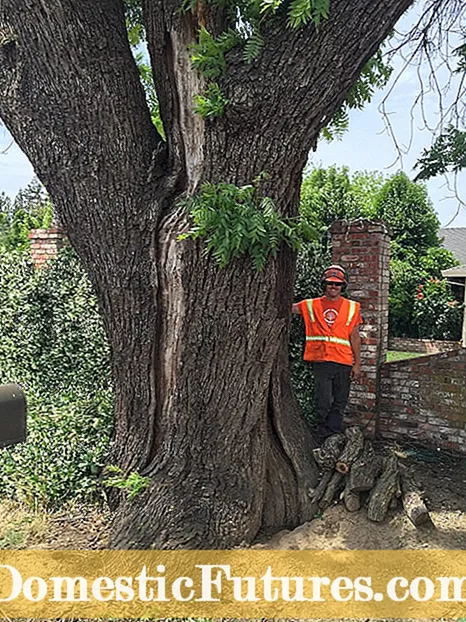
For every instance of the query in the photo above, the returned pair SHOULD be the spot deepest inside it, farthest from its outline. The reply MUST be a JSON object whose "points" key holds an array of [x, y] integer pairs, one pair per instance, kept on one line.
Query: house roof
{"points": [[454, 239], [456, 271]]}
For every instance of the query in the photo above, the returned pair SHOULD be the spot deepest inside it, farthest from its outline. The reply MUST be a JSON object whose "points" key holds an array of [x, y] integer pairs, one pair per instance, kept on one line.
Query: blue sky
{"points": [[365, 146]]}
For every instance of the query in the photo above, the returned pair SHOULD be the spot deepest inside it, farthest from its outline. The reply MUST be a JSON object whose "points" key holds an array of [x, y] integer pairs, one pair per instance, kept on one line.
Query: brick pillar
{"points": [[363, 248], [45, 244]]}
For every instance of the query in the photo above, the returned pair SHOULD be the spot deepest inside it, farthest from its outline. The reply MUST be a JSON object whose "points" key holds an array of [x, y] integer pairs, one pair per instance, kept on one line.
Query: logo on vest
{"points": [[330, 315]]}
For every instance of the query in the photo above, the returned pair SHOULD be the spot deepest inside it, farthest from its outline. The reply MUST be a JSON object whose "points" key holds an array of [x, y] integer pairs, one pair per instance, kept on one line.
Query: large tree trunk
{"points": [[203, 399]]}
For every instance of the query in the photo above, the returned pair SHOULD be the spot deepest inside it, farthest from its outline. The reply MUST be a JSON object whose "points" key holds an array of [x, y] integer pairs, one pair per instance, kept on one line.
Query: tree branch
{"points": [[316, 69], [93, 137]]}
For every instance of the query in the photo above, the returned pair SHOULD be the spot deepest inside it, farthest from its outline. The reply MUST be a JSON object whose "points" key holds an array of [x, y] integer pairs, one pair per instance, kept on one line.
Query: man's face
{"points": [[332, 290]]}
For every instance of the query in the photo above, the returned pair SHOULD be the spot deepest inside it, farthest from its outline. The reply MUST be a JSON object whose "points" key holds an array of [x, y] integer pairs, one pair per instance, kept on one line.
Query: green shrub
{"points": [[63, 454], [436, 312], [53, 344]]}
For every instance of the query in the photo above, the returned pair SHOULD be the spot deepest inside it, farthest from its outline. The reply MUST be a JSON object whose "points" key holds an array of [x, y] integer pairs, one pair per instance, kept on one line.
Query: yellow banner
{"points": [[235, 584]]}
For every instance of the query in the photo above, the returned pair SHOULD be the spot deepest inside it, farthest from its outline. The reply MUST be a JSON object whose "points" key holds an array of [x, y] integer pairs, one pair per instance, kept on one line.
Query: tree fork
{"points": [[199, 354]]}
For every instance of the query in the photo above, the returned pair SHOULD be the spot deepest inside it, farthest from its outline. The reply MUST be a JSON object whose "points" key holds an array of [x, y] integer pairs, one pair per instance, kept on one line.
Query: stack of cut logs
{"points": [[353, 472]]}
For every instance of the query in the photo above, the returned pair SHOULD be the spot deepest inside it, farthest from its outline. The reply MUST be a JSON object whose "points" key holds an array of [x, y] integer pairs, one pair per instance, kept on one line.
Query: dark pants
{"points": [[332, 385]]}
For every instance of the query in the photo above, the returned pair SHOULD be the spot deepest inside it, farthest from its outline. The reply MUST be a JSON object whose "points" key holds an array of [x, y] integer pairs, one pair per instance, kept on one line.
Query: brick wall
{"points": [[423, 400], [362, 247], [427, 346], [45, 244]]}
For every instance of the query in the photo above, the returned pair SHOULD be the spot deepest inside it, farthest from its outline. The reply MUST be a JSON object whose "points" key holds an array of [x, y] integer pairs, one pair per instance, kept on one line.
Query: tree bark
{"points": [[351, 451], [203, 403], [383, 491], [352, 500], [327, 455], [335, 484], [413, 504], [364, 470]]}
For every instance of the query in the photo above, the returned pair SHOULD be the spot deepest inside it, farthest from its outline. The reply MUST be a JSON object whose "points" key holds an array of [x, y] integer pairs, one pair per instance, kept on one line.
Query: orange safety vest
{"points": [[324, 343]]}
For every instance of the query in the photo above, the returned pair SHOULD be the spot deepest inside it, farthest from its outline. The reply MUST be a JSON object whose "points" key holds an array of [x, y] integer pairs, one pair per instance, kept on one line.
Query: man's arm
{"points": [[296, 309], [355, 340]]}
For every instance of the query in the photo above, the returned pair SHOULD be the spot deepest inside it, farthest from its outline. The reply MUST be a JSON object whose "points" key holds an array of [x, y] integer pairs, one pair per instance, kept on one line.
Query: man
{"points": [[333, 346]]}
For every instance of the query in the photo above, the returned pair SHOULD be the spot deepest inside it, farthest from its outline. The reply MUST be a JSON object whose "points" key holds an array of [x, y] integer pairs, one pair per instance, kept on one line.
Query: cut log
{"points": [[353, 447], [316, 494], [327, 455], [351, 499], [413, 504], [365, 470], [333, 487], [383, 491]]}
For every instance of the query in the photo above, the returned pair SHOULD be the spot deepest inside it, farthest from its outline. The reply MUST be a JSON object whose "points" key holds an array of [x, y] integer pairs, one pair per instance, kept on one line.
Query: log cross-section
{"points": [[352, 449]]}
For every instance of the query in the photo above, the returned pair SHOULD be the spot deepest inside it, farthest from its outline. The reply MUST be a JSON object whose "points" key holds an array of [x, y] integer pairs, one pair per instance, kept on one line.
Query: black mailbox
{"points": [[12, 415]]}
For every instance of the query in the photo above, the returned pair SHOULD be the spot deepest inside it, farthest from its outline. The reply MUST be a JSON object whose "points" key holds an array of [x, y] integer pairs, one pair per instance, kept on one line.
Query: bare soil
{"points": [[442, 478]]}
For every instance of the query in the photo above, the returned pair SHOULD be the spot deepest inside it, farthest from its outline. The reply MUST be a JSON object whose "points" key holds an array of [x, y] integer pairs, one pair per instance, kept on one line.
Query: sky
{"points": [[367, 145]]}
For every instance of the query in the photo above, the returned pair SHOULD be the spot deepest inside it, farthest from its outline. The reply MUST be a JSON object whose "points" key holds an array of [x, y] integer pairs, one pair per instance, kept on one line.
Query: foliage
{"points": [[405, 206], [208, 54], [436, 312], [63, 454], [312, 259], [234, 221], [31, 209], [448, 153], [302, 12], [53, 345], [52, 335], [331, 194], [211, 103], [133, 484], [374, 75]]}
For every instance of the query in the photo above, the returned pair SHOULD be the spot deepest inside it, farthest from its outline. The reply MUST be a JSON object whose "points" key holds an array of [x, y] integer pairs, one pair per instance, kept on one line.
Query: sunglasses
{"points": [[332, 284]]}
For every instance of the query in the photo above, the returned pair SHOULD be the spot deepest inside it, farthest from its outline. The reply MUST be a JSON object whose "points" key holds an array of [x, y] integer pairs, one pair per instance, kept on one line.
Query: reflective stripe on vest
{"points": [[343, 342], [351, 312], [310, 308]]}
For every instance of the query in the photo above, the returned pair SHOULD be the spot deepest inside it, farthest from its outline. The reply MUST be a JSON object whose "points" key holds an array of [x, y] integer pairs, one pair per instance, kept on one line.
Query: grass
{"points": [[393, 355], [18, 525]]}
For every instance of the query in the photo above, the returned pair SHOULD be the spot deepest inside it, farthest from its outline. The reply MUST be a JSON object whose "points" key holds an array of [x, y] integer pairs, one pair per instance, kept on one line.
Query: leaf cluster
{"points": [[447, 153], [211, 103], [436, 312], [65, 450], [53, 345], [132, 484], [233, 221], [374, 75], [208, 53]]}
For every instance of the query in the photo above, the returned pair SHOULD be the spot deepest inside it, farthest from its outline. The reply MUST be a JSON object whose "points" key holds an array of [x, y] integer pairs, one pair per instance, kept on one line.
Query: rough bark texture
{"points": [[352, 450], [413, 504], [384, 490], [335, 484], [326, 456], [203, 400], [352, 500], [364, 470]]}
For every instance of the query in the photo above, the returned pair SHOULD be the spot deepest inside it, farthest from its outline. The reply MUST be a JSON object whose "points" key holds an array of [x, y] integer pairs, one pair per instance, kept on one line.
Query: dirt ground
{"points": [[441, 476]]}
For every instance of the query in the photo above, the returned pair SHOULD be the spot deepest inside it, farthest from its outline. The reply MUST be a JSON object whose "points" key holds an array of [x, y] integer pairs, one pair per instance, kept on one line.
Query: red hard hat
{"points": [[335, 274]]}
